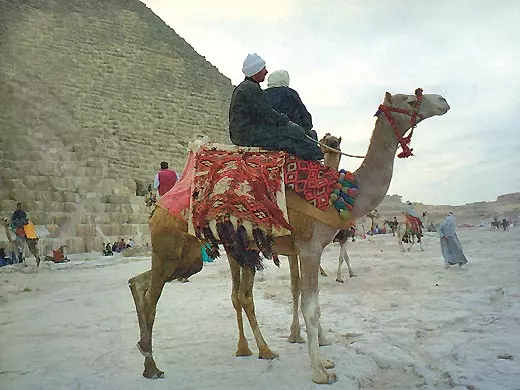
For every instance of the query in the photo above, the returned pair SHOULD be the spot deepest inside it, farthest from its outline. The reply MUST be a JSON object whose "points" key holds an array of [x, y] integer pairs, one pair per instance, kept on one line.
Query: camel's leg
{"points": [[172, 257], [242, 298], [347, 260], [400, 235], [311, 312], [419, 240], [139, 286], [343, 256], [339, 277], [294, 264], [243, 347], [246, 299], [144, 298], [158, 279], [322, 272]]}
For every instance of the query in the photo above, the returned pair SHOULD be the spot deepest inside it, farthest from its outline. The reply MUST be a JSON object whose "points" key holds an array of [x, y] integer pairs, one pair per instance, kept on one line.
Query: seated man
{"points": [[253, 122], [58, 256], [287, 101], [107, 251]]}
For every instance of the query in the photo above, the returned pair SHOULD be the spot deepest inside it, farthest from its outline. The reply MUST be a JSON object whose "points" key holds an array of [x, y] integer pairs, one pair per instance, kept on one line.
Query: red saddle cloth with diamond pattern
{"points": [[218, 179], [311, 180]]}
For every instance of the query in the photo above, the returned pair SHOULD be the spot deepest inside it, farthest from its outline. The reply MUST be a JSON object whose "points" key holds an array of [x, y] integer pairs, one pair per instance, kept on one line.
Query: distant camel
{"points": [[495, 224], [342, 237], [406, 233]]}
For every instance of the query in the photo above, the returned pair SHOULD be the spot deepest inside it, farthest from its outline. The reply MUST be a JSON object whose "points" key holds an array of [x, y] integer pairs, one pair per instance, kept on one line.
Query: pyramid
{"points": [[93, 96]]}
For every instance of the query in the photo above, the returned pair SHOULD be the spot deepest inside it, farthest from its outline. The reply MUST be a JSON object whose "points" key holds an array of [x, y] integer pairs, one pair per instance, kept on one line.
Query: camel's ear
{"points": [[339, 140], [388, 98]]}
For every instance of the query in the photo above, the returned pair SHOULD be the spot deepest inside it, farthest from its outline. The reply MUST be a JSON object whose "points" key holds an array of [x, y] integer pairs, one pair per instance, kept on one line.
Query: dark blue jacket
{"points": [[287, 101]]}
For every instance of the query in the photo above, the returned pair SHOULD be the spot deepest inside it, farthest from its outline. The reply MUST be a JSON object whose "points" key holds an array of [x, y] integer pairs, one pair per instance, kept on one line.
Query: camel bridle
{"points": [[413, 114]]}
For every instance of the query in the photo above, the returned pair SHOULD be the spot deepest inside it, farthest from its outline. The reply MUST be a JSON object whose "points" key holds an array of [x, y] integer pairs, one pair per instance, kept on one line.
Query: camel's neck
{"points": [[331, 160], [375, 173]]}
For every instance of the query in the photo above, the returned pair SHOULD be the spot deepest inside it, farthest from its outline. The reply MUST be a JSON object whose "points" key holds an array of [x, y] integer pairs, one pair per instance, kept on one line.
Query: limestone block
{"points": [[75, 244], [54, 230]]}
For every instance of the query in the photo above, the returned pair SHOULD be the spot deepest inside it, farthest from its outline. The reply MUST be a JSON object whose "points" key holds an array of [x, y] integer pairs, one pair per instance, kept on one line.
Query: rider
{"points": [[413, 218], [253, 122], [287, 101]]}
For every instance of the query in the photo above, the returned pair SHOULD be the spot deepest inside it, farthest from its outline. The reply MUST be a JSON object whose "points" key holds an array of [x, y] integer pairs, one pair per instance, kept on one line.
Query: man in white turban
{"points": [[253, 122], [287, 101]]}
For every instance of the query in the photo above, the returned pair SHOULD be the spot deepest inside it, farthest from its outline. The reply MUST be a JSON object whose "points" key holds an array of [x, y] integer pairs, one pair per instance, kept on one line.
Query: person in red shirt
{"points": [[165, 179]]}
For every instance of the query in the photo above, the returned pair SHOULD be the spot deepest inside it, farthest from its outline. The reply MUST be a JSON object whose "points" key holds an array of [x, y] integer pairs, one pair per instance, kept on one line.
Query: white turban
{"points": [[252, 65], [279, 78]]}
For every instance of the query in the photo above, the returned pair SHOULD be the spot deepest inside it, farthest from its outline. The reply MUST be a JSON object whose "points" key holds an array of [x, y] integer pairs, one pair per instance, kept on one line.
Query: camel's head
{"points": [[331, 142], [426, 105], [405, 111]]}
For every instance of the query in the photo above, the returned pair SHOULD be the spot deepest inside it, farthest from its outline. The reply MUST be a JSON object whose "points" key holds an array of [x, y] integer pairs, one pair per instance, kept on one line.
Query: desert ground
{"points": [[405, 322]]}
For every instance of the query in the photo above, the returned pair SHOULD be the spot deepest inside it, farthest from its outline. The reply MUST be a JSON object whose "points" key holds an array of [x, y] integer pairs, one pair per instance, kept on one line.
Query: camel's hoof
{"points": [[153, 374], [296, 339], [340, 281], [323, 274], [37, 262], [243, 352], [267, 354], [328, 363], [324, 378], [143, 352]]}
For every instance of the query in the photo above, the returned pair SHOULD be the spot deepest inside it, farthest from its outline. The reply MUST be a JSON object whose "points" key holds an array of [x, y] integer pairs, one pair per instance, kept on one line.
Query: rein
{"points": [[332, 149], [413, 114], [387, 110]]}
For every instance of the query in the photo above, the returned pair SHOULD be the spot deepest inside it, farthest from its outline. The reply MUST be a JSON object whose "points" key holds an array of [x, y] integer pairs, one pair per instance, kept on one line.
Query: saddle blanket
{"points": [[248, 183]]}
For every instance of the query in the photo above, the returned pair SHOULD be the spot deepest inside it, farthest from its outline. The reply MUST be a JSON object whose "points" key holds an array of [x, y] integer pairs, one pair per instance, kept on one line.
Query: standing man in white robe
{"points": [[450, 245]]}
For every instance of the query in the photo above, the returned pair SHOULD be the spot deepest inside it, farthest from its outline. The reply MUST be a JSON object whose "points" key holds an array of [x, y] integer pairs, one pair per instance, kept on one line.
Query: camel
{"points": [[177, 254], [405, 233], [342, 237], [18, 244], [392, 225]]}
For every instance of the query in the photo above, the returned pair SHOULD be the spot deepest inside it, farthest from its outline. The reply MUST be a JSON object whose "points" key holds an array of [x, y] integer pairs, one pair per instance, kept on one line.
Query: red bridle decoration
{"points": [[413, 114]]}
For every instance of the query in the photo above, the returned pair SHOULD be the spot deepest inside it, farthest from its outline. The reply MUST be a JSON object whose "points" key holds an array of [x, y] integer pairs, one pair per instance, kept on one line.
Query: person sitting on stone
{"points": [[115, 247], [150, 199], [130, 243], [4, 259], [287, 101], [121, 245], [165, 179], [107, 250], [58, 255], [254, 122]]}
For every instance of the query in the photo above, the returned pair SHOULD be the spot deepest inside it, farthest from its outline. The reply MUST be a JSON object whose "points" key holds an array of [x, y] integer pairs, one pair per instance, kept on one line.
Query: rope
{"points": [[332, 149]]}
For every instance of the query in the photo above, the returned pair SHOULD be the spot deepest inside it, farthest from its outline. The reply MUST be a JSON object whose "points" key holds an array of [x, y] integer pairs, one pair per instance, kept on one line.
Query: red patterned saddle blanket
{"points": [[248, 184]]}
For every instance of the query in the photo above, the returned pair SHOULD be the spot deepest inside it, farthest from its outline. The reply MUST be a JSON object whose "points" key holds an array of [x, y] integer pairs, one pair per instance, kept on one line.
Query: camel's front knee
{"points": [[236, 301], [245, 301]]}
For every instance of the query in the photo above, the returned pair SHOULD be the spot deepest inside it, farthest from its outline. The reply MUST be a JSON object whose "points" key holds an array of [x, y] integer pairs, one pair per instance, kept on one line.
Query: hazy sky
{"points": [[342, 55]]}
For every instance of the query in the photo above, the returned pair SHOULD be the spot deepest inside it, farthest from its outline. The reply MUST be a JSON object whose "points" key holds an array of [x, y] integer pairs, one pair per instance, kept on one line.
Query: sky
{"points": [[343, 55]]}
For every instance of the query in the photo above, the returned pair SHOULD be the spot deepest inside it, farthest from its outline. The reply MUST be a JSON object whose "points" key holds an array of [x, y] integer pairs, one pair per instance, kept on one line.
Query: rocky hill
{"points": [[93, 95], [506, 206]]}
